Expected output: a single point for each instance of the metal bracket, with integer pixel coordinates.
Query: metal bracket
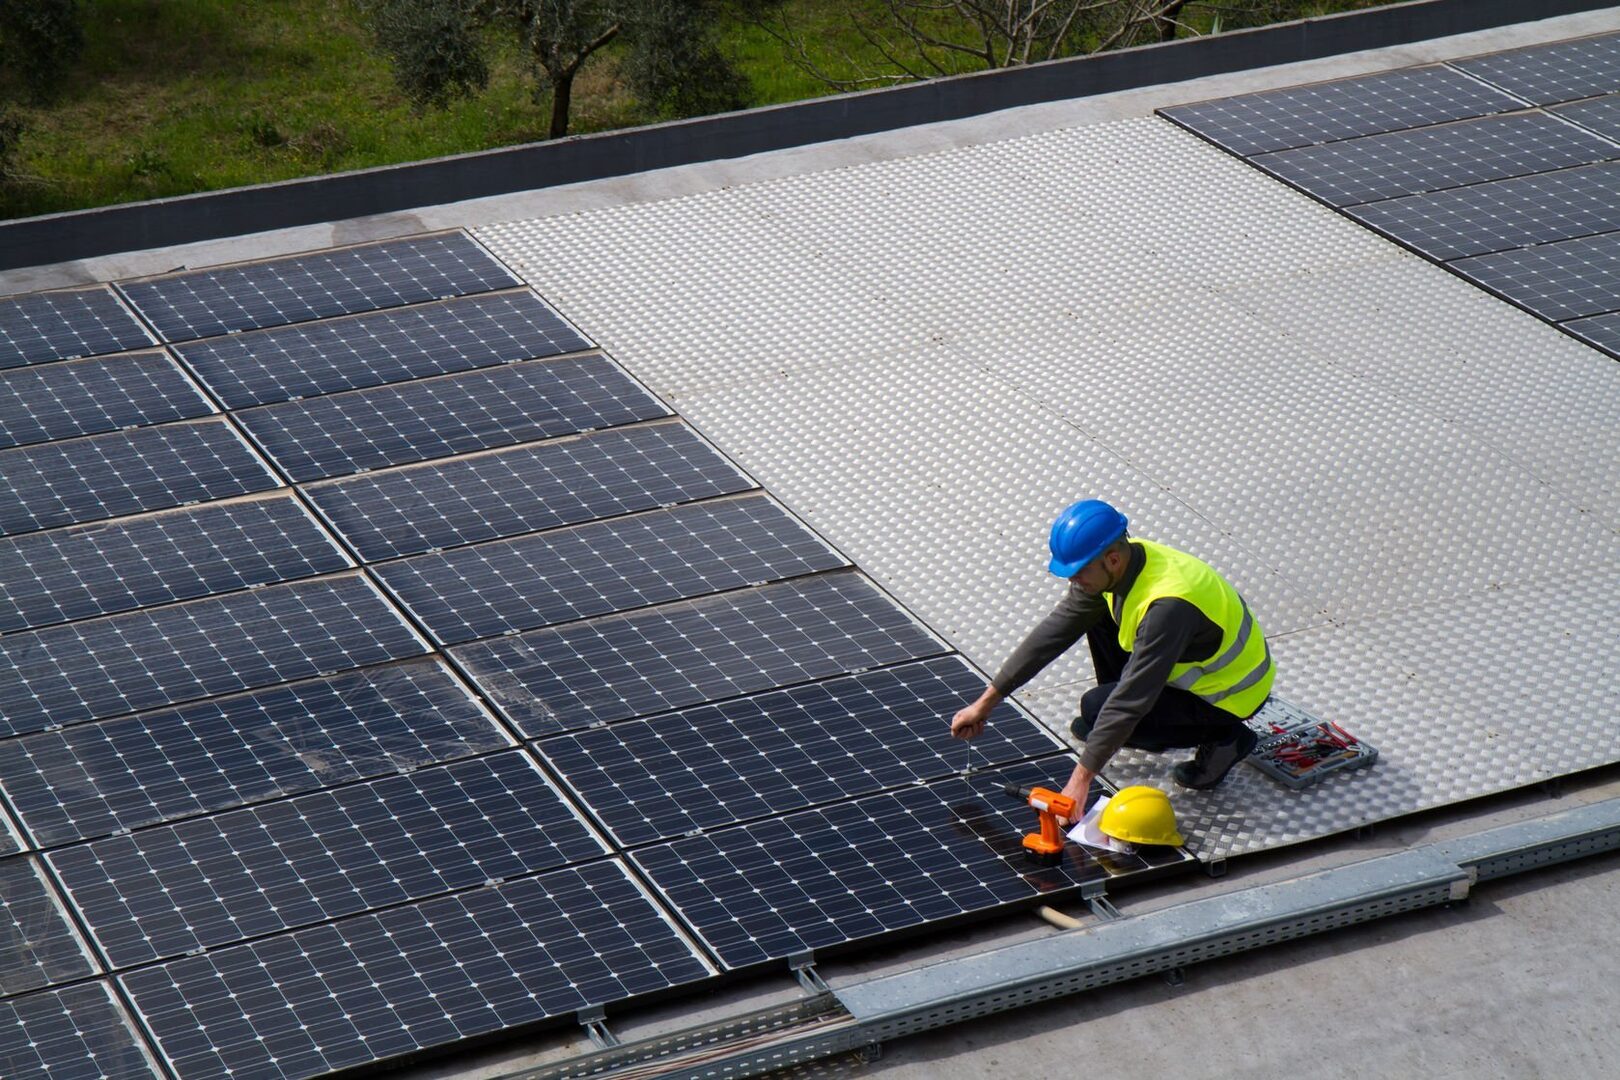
(594, 1021)
(1095, 894)
(803, 966)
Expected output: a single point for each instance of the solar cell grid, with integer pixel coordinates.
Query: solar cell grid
(1432, 159)
(102, 668)
(124, 472)
(266, 366)
(88, 397)
(453, 414)
(855, 870)
(93, 780)
(1603, 331)
(1504, 214)
(1324, 112)
(716, 765)
(686, 653)
(547, 578)
(1561, 71)
(1565, 280)
(202, 303)
(38, 946)
(509, 492)
(372, 987)
(75, 1033)
(1601, 115)
(216, 880)
(62, 325)
(84, 571)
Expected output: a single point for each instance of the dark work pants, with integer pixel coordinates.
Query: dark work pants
(1177, 719)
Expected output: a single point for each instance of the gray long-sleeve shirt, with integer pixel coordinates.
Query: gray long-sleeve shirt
(1172, 631)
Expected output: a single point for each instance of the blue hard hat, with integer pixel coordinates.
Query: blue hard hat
(1081, 533)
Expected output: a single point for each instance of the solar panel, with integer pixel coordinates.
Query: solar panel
(856, 870)
(509, 492)
(584, 570)
(125, 472)
(1413, 162)
(212, 881)
(1556, 281)
(374, 987)
(1304, 115)
(63, 325)
(75, 1033)
(1601, 115)
(345, 281)
(1562, 71)
(717, 765)
(267, 366)
(1501, 215)
(38, 946)
(89, 570)
(452, 414)
(94, 780)
(1602, 331)
(164, 656)
(715, 647)
(88, 397)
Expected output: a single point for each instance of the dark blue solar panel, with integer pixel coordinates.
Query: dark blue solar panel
(430, 418)
(856, 870)
(149, 659)
(125, 472)
(87, 397)
(573, 573)
(94, 780)
(1506, 214)
(1561, 71)
(202, 303)
(91, 570)
(76, 1033)
(267, 366)
(38, 947)
(509, 492)
(715, 647)
(375, 987)
(1602, 331)
(213, 881)
(1431, 159)
(1304, 115)
(63, 325)
(1601, 115)
(1556, 281)
(717, 765)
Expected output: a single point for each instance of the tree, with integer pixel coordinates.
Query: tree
(673, 62)
(922, 39)
(38, 41)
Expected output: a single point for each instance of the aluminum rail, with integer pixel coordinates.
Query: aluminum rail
(866, 1013)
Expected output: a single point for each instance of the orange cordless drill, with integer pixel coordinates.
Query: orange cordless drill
(1046, 845)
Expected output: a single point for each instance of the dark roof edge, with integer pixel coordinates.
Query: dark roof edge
(188, 218)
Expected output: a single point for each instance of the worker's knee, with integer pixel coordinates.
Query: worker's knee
(1091, 706)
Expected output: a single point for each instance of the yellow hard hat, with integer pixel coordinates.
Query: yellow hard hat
(1141, 815)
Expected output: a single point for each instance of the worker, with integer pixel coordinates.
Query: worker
(1180, 660)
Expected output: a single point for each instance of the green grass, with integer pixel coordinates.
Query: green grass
(178, 96)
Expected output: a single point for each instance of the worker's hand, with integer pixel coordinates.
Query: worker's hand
(968, 723)
(1078, 788)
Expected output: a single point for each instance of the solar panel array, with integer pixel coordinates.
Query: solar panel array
(372, 645)
(1500, 167)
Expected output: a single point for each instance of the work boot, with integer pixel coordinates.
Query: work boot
(1213, 761)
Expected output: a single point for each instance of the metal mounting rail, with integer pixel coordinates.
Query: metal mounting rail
(867, 1013)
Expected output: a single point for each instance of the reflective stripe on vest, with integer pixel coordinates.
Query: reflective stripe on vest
(1239, 675)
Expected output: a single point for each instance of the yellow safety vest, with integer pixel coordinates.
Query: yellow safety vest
(1238, 676)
